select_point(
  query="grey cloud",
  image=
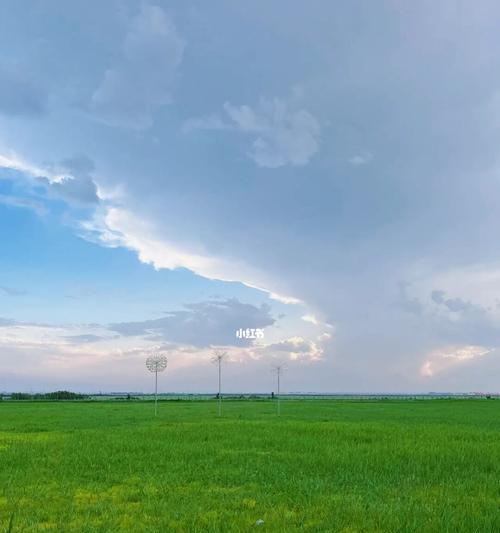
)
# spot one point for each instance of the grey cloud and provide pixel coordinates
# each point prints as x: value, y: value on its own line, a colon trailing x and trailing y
x: 25, y: 203
x: 78, y: 185
x: 83, y: 339
x: 81, y: 185
x: 12, y: 291
x: 459, y: 322
x: 283, y: 133
x: 438, y: 296
x: 19, y: 95
x: 335, y: 242
x: 455, y: 305
x: 203, y: 324
x: 76, y: 189
x: 71, y: 180
x: 383, y: 81
x: 409, y: 304
x: 142, y: 81
x: 210, y: 122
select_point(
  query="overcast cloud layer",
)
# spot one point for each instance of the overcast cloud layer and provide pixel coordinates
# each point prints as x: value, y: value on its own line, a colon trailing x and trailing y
x: 331, y: 167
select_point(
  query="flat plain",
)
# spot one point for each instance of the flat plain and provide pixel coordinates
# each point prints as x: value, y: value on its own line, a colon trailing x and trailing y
x: 324, y: 465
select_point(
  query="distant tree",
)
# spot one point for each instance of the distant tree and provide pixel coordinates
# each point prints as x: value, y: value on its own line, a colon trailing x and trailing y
x: 64, y: 395
x: 20, y: 396
x: 58, y: 395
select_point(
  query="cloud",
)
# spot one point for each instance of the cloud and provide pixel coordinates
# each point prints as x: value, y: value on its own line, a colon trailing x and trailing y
x: 210, y: 122
x: 442, y: 360
x: 458, y: 306
x: 24, y: 203
x: 84, y: 338
x: 310, y: 318
x: 455, y: 305
x: 294, y: 348
x: 19, y: 95
x: 282, y: 133
x: 49, y: 357
x: 361, y: 159
x: 133, y: 90
x: 115, y: 226
x: 13, y: 161
x: 71, y: 180
x: 204, y: 324
x: 11, y: 291
x: 438, y: 297
x: 283, y: 136
x: 70, y: 353
x: 455, y: 321
x: 341, y: 245
x: 15, y: 332
x: 79, y: 185
x: 407, y: 303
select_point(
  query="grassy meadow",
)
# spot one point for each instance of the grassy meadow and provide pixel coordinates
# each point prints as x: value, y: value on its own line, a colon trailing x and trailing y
x: 430, y: 465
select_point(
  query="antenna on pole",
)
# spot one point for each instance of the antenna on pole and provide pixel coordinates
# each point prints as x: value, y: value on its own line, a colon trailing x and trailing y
x: 218, y: 358
x: 155, y: 364
x: 279, y: 369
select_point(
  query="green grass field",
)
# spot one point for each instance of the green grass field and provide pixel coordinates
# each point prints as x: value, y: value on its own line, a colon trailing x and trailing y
x: 431, y: 465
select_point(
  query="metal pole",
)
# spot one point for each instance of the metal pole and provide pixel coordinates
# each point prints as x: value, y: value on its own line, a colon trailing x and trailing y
x: 156, y: 393
x: 279, y: 406
x: 220, y: 397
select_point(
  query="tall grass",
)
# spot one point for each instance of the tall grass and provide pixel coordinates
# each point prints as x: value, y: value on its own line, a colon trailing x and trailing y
x: 322, y: 466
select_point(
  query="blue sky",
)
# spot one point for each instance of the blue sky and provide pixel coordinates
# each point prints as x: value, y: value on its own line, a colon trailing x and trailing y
x: 172, y: 171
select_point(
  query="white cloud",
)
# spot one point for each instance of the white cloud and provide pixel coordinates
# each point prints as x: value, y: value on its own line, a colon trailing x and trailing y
x: 210, y: 122
x: 94, y: 357
x: 361, y: 159
x: 115, y: 226
x: 441, y: 360
x: 310, y: 318
x: 30, y: 334
x: 289, y: 300
x: 293, y: 348
x: 13, y: 161
x: 283, y: 134
x: 24, y: 203
x: 141, y: 83
x: 49, y: 358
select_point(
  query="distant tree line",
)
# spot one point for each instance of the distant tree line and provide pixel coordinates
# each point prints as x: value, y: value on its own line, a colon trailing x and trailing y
x: 58, y: 395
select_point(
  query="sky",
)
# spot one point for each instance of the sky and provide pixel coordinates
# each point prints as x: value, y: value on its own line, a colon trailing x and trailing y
x: 173, y: 171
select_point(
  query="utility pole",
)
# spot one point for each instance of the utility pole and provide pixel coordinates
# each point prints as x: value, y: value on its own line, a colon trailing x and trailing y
x: 156, y: 392
x: 218, y: 358
x: 279, y: 369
